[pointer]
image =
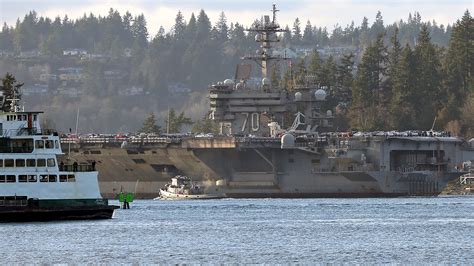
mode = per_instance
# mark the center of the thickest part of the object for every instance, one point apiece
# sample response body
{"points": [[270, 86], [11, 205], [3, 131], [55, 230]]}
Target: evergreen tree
{"points": [[179, 26], [191, 28], [300, 73], [458, 70], [203, 27], [149, 125], [11, 90], [364, 32], [368, 91], [308, 37], [315, 68], [296, 31], [403, 82], [345, 79], [205, 125], [378, 26], [428, 79], [139, 30], [222, 28], [175, 122], [6, 38]]}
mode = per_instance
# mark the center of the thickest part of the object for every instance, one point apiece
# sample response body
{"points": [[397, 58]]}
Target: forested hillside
{"points": [[379, 76]]}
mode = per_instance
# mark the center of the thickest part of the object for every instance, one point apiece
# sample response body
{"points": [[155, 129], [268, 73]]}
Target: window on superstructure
{"points": [[20, 117], [43, 178], [20, 162], [71, 178], [2, 178], [62, 178], [32, 178], [11, 179], [30, 163], [51, 162], [22, 178], [39, 144], [21, 145], [41, 162], [9, 163], [56, 144], [49, 144], [35, 117], [1, 162], [53, 178]]}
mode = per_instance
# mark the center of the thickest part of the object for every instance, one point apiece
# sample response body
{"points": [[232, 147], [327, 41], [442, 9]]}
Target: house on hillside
{"points": [[285, 52], [35, 89], [70, 73], [74, 52], [30, 54], [132, 91]]}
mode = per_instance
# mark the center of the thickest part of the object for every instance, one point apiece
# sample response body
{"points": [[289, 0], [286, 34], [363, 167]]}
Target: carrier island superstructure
{"points": [[278, 143]]}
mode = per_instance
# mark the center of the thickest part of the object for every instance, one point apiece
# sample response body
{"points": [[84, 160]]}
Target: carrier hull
{"points": [[242, 169]]}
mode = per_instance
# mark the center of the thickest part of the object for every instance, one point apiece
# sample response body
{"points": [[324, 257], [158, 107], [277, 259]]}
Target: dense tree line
{"points": [[194, 52], [402, 74], [399, 87]]}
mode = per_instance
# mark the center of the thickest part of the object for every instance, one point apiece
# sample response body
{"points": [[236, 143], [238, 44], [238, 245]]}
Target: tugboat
{"points": [[33, 185], [181, 188]]}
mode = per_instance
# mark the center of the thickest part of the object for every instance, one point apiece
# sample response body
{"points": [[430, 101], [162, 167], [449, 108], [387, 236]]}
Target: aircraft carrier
{"points": [[277, 143]]}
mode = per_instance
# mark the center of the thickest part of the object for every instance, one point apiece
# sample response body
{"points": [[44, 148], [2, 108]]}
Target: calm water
{"points": [[404, 230]]}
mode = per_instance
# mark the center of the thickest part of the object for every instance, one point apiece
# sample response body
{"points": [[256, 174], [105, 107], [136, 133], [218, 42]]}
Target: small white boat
{"points": [[182, 188]]}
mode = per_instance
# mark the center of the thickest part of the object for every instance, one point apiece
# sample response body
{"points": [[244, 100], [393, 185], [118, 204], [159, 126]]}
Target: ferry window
{"points": [[21, 145], [62, 178], [20, 117], [9, 163], [11, 179], [35, 117], [71, 178], [51, 162], [41, 162], [43, 178], [2, 179], [32, 178], [49, 144], [30, 162], [1, 162], [22, 178], [53, 178], [56, 144], [20, 162], [39, 144]]}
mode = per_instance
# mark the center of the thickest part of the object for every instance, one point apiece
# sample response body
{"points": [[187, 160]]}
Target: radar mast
{"points": [[266, 35]]}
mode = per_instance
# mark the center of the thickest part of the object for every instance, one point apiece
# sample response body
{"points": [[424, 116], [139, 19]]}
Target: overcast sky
{"points": [[319, 12]]}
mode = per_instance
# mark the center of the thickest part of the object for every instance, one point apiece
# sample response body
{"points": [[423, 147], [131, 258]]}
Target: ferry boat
{"points": [[34, 186], [182, 187]]}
